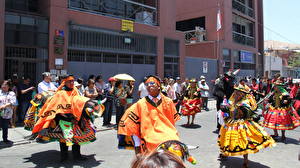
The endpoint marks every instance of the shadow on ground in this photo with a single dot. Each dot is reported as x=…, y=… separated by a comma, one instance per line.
x=194, y=126
x=51, y=158
x=233, y=162
x=5, y=145
x=287, y=141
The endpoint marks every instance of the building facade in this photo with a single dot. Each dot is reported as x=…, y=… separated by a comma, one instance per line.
x=84, y=37
x=238, y=44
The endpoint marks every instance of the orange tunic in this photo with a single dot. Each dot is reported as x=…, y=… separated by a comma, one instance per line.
x=152, y=123
x=62, y=102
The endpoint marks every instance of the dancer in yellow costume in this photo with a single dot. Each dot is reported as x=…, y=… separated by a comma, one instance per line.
x=240, y=135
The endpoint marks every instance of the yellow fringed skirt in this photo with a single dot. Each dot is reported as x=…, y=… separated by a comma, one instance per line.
x=243, y=137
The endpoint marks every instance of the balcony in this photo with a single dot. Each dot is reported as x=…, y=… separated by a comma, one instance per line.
x=243, y=39
x=141, y=12
x=243, y=8
x=195, y=36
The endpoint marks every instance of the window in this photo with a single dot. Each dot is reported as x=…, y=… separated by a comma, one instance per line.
x=12, y=19
x=22, y=5
x=30, y=31
x=140, y=11
x=226, y=54
x=110, y=58
x=171, y=59
x=138, y=59
x=187, y=25
x=93, y=57
x=110, y=40
x=78, y=56
x=125, y=59
x=150, y=60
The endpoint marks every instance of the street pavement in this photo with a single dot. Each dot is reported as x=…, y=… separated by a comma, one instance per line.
x=103, y=153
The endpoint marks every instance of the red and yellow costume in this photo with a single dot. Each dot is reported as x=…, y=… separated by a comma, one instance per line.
x=191, y=103
x=280, y=115
x=240, y=135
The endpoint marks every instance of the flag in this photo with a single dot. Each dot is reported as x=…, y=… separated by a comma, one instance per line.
x=219, y=21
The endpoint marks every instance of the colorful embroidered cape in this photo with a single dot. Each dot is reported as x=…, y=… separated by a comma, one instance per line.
x=63, y=102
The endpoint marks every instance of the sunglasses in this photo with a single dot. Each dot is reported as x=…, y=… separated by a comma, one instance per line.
x=151, y=84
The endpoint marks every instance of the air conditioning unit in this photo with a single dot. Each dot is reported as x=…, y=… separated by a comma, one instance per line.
x=144, y=17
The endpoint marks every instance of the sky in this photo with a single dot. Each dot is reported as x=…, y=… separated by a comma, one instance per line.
x=282, y=20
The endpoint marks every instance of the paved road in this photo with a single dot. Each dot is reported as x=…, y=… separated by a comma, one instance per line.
x=104, y=153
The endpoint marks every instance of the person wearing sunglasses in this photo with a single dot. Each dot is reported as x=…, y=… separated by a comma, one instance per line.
x=148, y=122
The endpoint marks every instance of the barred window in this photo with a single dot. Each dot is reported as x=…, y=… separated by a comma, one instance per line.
x=99, y=39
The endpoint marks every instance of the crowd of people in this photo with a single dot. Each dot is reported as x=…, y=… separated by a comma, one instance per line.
x=65, y=109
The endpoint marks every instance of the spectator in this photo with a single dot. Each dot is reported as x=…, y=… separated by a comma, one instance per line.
x=178, y=87
x=254, y=88
x=158, y=159
x=178, y=92
x=92, y=77
x=7, y=99
x=120, y=95
x=100, y=87
x=171, y=90
x=108, y=92
x=185, y=85
x=25, y=90
x=204, y=93
x=46, y=84
x=15, y=82
x=90, y=90
x=142, y=89
x=129, y=91
x=81, y=88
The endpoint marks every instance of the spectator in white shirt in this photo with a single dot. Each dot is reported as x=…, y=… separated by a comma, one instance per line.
x=177, y=87
x=7, y=100
x=143, y=92
x=204, y=93
x=46, y=84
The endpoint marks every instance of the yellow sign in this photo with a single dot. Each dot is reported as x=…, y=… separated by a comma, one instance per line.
x=127, y=25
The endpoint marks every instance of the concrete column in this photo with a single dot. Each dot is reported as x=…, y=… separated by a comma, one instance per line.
x=2, y=29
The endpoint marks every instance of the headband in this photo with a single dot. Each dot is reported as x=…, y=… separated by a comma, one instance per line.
x=153, y=79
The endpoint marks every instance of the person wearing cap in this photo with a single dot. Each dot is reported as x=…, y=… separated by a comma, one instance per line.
x=240, y=134
x=192, y=102
x=150, y=121
x=279, y=113
x=67, y=117
x=109, y=89
x=46, y=84
x=79, y=86
x=204, y=93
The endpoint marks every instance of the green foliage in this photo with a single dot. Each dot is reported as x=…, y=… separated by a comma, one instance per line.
x=294, y=60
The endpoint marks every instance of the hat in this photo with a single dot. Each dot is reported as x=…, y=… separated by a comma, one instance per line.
x=178, y=78
x=202, y=77
x=76, y=84
x=111, y=79
x=202, y=80
x=46, y=74
x=242, y=88
x=193, y=80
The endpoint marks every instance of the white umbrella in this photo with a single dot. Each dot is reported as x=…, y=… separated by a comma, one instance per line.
x=124, y=77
